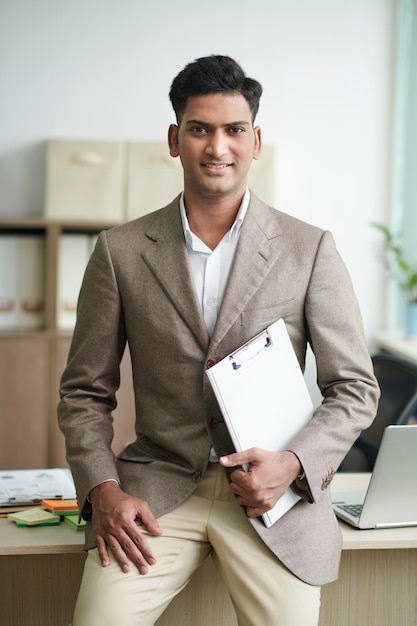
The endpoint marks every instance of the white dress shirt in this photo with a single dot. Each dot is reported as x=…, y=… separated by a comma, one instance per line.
x=210, y=268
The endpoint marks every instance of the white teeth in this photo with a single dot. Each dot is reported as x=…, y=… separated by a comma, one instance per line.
x=216, y=167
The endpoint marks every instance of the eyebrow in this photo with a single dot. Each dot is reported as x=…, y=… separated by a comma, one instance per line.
x=201, y=123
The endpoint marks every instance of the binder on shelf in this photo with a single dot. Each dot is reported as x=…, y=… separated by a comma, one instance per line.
x=22, y=285
x=264, y=398
x=8, y=282
x=31, y=282
x=73, y=254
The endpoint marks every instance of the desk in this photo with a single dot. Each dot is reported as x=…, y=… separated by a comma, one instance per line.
x=40, y=571
x=398, y=344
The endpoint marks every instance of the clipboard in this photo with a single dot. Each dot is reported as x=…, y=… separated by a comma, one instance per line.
x=27, y=487
x=264, y=398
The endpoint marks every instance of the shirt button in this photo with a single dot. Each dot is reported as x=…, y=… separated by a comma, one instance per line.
x=197, y=476
x=213, y=422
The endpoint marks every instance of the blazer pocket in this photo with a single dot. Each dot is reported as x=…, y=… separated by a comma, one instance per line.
x=144, y=451
x=266, y=317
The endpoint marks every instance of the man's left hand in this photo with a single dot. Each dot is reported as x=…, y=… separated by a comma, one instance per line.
x=268, y=477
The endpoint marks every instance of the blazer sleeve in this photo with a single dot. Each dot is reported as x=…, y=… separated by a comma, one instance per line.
x=92, y=377
x=344, y=372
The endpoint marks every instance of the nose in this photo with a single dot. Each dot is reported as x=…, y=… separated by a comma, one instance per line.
x=217, y=144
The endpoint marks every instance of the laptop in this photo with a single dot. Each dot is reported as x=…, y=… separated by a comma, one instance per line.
x=391, y=498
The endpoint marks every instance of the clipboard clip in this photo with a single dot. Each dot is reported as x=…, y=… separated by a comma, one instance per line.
x=23, y=501
x=250, y=351
x=28, y=500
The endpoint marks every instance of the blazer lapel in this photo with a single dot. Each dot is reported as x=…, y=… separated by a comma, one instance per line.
x=256, y=253
x=168, y=260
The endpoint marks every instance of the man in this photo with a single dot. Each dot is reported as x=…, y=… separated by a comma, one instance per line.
x=184, y=286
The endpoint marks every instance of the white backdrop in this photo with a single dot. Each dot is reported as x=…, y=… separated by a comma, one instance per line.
x=102, y=69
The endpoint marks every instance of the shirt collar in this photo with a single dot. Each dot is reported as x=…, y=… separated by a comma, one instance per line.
x=236, y=226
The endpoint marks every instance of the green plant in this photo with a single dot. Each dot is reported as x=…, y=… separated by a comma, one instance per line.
x=403, y=270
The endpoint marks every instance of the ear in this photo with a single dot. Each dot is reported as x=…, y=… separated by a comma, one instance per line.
x=258, y=143
x=173, y=140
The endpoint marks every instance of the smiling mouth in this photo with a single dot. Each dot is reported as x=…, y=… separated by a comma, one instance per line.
x=216, y=166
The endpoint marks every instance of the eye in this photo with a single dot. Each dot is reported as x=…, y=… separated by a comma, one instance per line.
x=235, y=130
x=199, y=130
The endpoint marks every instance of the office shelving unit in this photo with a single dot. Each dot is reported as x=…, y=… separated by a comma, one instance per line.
x=32, y=361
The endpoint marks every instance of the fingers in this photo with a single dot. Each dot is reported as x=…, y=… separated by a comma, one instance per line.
x=259, y=488
x=135, y=550
x=256, y=499
x=102, y=551
x=127, y=546
x=245, y=457
x=116, y=530
x=148, y=519
x=256, y=512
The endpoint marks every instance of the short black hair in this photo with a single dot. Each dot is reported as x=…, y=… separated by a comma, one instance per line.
x=213, y=74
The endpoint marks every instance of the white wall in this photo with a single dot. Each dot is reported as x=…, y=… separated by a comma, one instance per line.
x=102, y=69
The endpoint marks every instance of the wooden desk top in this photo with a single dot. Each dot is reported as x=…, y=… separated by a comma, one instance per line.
x=39, y=540
x=397, y=343
x=64, y=540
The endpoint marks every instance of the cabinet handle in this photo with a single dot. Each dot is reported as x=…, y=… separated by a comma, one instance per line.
x=6, y=305
x=87, y=158
x=69, y=307
x=34, y=305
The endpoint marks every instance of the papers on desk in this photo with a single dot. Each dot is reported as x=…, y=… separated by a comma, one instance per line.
x=30, y=487
x=264, y=399
x=34, y=517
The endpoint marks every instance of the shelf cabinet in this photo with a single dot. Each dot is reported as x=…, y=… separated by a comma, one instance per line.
x=32, y=361
x=24, y=368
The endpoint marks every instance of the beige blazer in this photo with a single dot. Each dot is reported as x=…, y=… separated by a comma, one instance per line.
x=138, y=289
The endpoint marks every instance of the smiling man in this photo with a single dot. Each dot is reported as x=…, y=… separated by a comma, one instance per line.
x=184, y=286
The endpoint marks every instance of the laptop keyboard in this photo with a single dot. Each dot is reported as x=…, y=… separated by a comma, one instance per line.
x=353, y=509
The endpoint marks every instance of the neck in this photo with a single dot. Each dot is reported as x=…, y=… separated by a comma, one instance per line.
x=211, y=220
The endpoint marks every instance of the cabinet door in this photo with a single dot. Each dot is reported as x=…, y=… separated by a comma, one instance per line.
x=23, y=402
x=124, y=415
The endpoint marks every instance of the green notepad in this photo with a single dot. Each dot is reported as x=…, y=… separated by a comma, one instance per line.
x=34, y=517
x=72, y=521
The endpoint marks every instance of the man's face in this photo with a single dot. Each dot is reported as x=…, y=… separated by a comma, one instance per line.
x=216, y=144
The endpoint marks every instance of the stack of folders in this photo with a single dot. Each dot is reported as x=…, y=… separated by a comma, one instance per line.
x=50, y=513
x=22, y=288
x=74, y=251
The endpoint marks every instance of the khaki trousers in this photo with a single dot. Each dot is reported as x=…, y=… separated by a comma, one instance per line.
x=210, y=522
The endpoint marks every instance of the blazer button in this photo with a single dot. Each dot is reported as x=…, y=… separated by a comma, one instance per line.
x=210, y=363
x=197, y=476
x=213, y=422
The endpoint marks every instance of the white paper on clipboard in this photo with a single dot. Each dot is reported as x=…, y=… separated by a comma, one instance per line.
x=264, y=398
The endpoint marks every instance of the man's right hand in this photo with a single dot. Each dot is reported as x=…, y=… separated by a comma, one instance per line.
x=114, y=527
